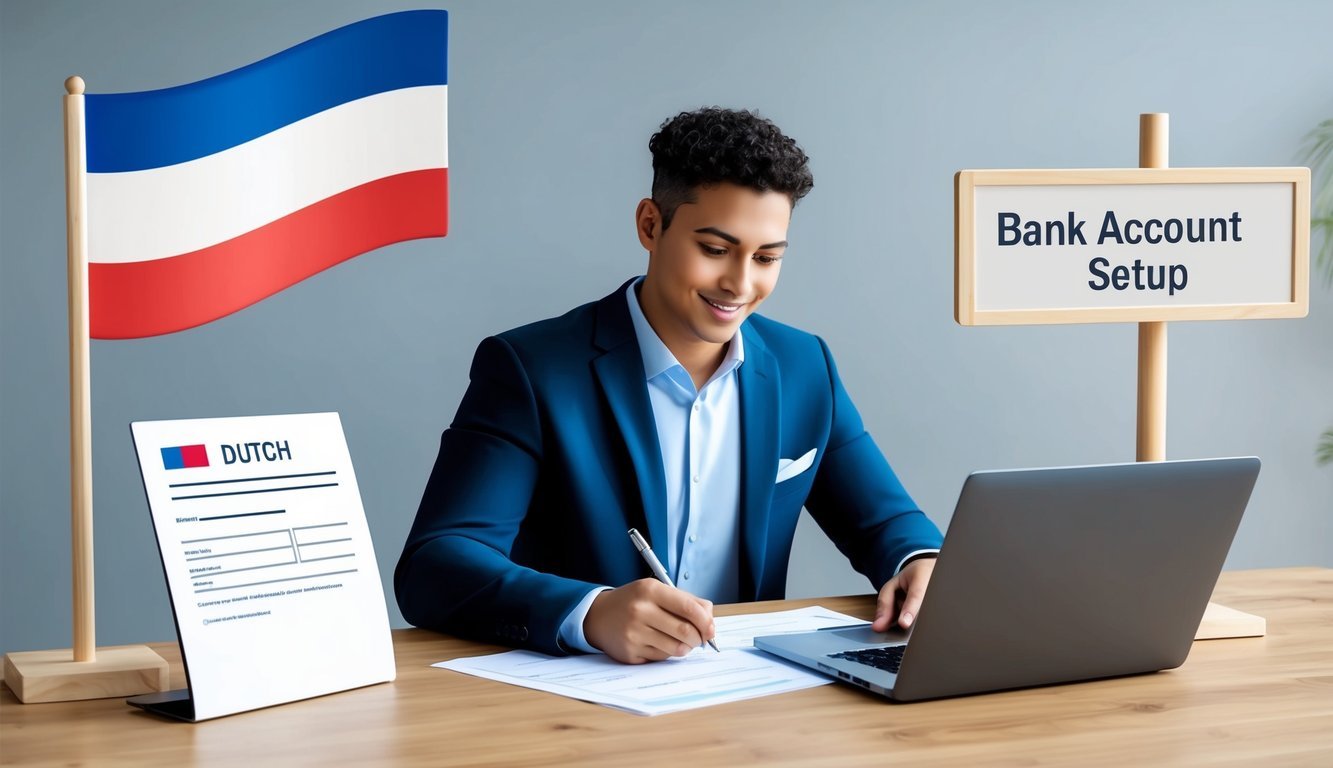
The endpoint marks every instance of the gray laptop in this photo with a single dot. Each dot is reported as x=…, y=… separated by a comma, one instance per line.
x=1053, y=576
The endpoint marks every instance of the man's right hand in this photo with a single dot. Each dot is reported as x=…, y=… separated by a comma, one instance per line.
x=647, y=620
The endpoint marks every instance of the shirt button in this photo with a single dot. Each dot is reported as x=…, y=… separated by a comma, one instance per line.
x=687, y=574
x=696, y=407
x=696, y=478
x=693, y=538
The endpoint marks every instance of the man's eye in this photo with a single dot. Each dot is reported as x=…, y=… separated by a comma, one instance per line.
x=764, y=258
x=712, y=251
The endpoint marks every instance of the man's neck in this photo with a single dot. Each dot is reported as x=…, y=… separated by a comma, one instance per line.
x=699, y=358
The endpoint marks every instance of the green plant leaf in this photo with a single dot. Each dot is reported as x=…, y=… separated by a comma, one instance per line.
x=1324, y=453
x=1318, y=154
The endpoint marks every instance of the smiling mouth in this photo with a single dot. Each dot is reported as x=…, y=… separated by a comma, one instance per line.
x=721, y=306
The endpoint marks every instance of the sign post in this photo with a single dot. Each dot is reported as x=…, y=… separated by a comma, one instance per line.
x=1154, y=148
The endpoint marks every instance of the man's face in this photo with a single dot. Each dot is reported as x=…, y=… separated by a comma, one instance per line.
x=714, y=265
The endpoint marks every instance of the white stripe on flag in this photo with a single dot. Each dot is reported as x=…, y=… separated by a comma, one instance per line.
x=162, y=212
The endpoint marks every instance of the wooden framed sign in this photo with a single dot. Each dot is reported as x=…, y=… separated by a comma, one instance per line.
x=1131, y=245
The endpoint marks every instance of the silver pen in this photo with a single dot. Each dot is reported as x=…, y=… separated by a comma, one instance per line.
x=655, y=566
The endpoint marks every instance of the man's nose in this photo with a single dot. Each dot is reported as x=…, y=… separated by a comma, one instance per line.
x=736, y=279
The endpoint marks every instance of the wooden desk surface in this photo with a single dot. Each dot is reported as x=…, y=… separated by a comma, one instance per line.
x=1234, y=701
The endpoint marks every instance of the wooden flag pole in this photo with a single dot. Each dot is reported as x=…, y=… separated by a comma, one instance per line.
x=81, y=672
x=1153, y=153
x=80, y=399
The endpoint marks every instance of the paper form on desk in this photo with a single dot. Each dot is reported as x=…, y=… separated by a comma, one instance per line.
x=267, y=554
x=700, y=679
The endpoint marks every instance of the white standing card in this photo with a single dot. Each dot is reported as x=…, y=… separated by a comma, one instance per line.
x=268, y=558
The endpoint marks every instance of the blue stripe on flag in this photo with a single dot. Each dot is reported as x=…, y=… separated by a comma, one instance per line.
x=172, y=458
x=151, y=129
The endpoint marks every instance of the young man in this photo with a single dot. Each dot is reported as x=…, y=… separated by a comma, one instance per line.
x=667, y=406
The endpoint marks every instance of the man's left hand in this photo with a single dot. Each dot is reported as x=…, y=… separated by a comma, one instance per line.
x=900, y=599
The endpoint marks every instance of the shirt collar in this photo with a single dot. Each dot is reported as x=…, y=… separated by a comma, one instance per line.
x=657, y=359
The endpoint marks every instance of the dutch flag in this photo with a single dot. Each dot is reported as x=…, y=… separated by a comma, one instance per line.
x=184, y=456
x=206, y=198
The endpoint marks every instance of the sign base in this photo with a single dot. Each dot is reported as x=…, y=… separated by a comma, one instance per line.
x=1221, y=622
x=125, y=670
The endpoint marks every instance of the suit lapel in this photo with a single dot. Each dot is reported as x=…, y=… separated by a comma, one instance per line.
x=620, y=372
x=760, y=401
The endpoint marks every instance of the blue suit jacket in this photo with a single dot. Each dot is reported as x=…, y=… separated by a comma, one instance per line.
x=554, y=455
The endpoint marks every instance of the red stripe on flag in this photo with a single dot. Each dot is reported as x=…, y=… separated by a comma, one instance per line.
x=149, y=298
x=194, y=456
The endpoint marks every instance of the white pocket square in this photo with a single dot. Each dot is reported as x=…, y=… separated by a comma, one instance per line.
x=789, y=468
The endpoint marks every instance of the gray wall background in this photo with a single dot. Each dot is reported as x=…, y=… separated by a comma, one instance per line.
x=551, y=106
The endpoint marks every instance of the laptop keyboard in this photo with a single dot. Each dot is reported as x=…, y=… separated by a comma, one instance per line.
x=887, y=659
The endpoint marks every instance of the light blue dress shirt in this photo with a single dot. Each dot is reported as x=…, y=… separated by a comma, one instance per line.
x=698, y=431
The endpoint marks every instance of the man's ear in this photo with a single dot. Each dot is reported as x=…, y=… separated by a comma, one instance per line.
x=648, y=223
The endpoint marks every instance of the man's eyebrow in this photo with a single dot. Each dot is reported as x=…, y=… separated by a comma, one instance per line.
x=735, y=240
x=715, y=231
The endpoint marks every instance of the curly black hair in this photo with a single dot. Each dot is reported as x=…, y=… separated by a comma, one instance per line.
x=714, y=145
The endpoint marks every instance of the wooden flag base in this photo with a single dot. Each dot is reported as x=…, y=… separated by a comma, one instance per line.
x=124, y=670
